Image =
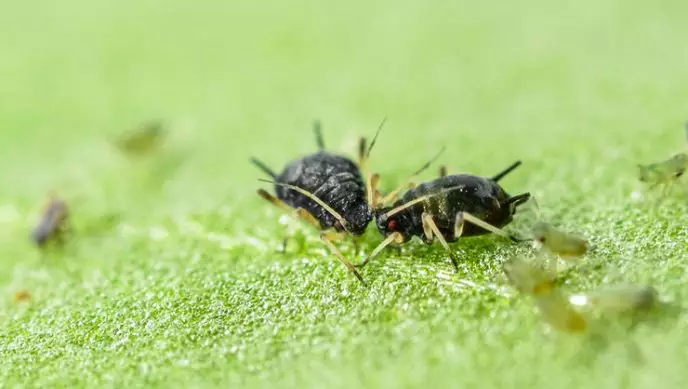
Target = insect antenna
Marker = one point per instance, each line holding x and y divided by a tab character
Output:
506	171
393	194
413	202
372	143
262	166
317	130
364	156
313	197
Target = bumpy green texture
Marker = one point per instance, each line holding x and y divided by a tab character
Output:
173	280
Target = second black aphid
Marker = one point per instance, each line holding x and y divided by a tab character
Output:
327	190
447	208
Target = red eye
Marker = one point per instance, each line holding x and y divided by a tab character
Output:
392	225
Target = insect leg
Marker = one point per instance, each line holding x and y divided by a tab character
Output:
393	237
327	237
274	200
430	229
299	213
371	190
467	217
65	228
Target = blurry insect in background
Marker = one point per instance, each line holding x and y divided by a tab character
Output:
552	303
21	296
605	308
54	223
142	140
558	241
620	299
554	240
664	172
327	191
447	208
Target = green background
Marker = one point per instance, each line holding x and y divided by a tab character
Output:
172	277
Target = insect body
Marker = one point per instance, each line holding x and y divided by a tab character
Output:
552	303
22	296
141	141
620	299
558	241
562	311
336	181
440	209
327	190
54	223
663	172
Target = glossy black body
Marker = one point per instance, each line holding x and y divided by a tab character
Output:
334	179
480	196
51	224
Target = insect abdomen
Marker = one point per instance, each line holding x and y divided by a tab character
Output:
333	179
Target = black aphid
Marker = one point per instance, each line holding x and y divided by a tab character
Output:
54	223
328	191
447	208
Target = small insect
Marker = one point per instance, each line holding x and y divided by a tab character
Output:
620	299
558	241
142	140
54	223
447	208
552	303
664	172
327	191
22	296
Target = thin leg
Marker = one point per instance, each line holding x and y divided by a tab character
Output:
430	229
393	237
296	212
327	237
283	250
371	189
307	217
465	216
377	198
458	225
443	171
299	214
272	199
